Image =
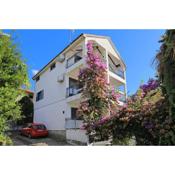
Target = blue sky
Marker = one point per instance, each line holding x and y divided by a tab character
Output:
137	48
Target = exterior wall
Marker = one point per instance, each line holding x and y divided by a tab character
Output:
53	108
50	109
77	135
53	116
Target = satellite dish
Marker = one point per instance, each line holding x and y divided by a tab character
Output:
61	58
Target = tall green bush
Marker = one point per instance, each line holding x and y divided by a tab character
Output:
13	75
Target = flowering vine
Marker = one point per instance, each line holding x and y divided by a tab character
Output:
145	117
98	100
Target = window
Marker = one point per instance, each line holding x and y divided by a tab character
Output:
52	66
37	78
77	58
74	113
73	59
70	62
42	127
40	95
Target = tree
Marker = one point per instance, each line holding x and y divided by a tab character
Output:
166	68
26	109
13	75
98	101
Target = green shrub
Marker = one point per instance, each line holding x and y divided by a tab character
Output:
5	140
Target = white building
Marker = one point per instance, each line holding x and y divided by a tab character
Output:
57	92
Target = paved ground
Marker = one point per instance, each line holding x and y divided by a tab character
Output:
19	140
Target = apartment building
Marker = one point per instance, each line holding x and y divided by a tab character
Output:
58	93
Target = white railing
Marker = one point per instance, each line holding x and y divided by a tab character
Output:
73	124
118	72
72	60
70	91
122	98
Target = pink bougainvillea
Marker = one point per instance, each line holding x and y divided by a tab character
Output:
98	99
145	117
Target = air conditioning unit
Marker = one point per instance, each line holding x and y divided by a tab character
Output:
61	58
60	78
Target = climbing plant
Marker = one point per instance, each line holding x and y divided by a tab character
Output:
98	101
145	117
148	115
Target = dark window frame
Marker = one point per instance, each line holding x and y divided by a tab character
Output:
74	113
40	95
52	66
76	57
37	78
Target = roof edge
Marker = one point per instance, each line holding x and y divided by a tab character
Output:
111	42
77	38
34	77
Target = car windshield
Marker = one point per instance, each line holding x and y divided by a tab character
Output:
39	127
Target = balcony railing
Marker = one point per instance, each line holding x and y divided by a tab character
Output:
70	91
73	124
122	98
118	72
72	60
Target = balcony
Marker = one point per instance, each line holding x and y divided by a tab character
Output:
117	72
73	124
70	91
72	60
122	97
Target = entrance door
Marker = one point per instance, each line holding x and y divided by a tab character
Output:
74	113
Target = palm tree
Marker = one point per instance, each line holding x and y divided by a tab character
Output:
166	68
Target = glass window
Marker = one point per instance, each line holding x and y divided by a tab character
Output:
37	78
74	113
42	127
40	95
52	66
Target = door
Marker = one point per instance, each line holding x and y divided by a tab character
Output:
74	113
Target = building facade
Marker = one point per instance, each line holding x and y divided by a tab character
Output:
58	93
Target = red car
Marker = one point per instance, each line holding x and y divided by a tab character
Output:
34	130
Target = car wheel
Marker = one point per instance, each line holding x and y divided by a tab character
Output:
29	136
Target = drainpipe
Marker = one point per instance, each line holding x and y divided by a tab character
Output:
107	63
125	85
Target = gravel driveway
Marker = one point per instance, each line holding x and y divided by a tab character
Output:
19	140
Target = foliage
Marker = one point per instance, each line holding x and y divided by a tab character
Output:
26	109
145	117
5	140
166	67
13	74
98	100
148	115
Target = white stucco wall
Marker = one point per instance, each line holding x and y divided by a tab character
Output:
53	116
53	108
77	135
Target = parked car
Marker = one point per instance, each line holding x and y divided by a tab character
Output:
34	130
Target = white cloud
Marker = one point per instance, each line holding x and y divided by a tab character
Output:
34	71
